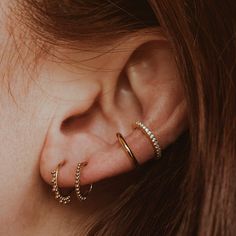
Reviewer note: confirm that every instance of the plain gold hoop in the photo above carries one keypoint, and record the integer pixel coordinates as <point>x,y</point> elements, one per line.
<point>127,149</point>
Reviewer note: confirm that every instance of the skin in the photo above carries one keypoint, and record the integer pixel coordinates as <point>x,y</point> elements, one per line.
<point>39,94</point>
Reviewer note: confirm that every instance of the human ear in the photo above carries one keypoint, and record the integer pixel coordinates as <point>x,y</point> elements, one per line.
<point>146,87</point>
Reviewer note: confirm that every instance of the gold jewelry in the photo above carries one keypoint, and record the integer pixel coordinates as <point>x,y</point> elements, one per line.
<point>80,196</point>
<point>145,130</point>
<point>62,199</point>
<point>127,149</point>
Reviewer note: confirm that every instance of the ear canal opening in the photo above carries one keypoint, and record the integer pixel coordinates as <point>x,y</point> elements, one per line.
<point>77,122</point>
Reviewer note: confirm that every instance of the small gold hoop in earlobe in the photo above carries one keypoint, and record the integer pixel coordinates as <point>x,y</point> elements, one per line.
<point>127,149</point>
<point>81,196</point>
<point>62,199</point>
<point>150,135</point>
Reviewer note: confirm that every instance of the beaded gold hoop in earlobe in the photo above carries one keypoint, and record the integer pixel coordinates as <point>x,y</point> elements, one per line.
<point>62,199</point>
<point>145,130</point>
<point>81,196</point>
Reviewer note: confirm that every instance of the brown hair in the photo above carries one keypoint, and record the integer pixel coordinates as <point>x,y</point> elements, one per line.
<point>192,190</point>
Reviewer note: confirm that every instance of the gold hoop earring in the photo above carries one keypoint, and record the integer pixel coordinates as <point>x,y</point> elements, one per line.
<point>148,133</point>
<point>81,196</point>
<point>62,199</point>
<point>127,149</point>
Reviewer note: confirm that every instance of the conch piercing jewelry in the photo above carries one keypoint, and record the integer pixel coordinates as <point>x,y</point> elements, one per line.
<point>62,199</point>
<point>127,149</point>
<point>81,196</point>
<point>145,130</point>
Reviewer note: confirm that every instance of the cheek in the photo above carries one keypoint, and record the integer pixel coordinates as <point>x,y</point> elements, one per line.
<point>23,126</point>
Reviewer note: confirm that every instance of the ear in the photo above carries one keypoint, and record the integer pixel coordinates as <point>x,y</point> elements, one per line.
<point>147,87</point>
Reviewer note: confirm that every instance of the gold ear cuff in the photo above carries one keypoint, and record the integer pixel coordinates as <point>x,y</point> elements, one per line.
<point>62,199</point>
<point>150,135</point>
<point>127,149</point>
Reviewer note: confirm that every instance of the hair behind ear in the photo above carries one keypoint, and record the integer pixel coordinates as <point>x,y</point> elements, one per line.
<point>204,204</point>
<point>154,184</point>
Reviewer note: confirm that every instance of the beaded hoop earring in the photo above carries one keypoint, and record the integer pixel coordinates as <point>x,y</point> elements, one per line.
<point>62,199</point>
<point>81,196</point>
<point>148,133</point>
